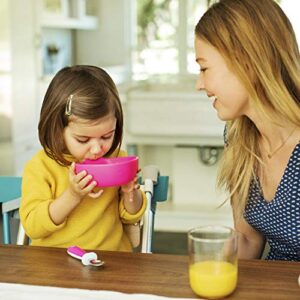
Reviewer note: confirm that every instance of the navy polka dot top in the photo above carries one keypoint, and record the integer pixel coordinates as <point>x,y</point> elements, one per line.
<point>279,220</point>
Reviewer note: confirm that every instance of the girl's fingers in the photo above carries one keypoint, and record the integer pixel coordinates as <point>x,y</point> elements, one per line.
<point>134,184</point>
<point>72,168</point>
<point>127,188</point>
<point>78,177</point>
<point>130,187</point>
<point>85,181</point>
<point>88,188</point>
<point>72,173</point>
<point>95,194</point>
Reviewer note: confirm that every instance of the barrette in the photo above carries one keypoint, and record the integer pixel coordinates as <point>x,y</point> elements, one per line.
<point>68,110</point>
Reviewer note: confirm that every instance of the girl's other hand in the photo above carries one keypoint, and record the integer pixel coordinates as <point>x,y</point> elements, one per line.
<point>132,196</point>
<point>131,186</point>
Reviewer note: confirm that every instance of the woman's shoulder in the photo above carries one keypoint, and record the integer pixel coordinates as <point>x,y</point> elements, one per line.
<point>294,160</point>
<point>291,178</point>
<point>297,149</point>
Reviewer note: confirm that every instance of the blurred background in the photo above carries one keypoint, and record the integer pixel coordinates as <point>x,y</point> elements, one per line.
<point>147,48</point>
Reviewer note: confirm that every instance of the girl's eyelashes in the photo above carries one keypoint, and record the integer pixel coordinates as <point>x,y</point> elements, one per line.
<point>82,141</point>
<point>203,69</point>
<point>107,137</point>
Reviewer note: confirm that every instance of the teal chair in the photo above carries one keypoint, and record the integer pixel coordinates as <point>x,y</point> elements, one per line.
<point>10,194</point>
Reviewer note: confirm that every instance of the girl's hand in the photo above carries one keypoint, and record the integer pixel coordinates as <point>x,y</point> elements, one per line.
<point>131,186</point>
<point>81,184</point>
<point>132,196</point>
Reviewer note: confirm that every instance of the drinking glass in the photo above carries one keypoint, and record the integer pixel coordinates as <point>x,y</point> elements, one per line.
<point>213,263</point>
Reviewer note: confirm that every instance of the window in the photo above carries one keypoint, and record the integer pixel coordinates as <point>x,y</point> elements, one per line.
<point>163,40</point>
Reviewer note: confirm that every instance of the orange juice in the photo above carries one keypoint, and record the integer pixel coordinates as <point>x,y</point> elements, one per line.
<point>213,279</point>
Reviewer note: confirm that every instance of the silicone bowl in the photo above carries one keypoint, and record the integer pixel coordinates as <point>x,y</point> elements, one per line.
<point>114,171</point>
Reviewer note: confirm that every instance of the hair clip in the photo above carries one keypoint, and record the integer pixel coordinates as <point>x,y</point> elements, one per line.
<point>68,110</point>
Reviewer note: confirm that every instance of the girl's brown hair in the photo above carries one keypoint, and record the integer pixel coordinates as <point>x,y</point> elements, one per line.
<point>94,96</point>
<point>258,43</point>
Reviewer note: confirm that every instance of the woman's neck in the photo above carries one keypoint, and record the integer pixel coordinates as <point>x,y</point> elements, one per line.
<point>275,137</point>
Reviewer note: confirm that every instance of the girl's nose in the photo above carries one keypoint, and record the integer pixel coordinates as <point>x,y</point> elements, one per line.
<point>96,147</point>
<point>199,83</point>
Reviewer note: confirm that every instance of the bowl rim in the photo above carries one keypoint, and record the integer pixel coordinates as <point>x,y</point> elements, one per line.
<point>132,158</point>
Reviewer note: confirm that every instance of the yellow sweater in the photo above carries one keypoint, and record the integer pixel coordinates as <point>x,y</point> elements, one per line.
<point>93,224</point>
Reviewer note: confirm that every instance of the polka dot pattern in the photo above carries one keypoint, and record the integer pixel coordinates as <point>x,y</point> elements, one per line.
<point>279,220</point>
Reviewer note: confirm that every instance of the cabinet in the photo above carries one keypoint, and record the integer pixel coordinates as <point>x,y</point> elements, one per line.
<point>57,23</point>
<point>68,14</point>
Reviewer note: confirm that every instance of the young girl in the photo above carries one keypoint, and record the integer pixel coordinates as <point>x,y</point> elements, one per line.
<point>81,118</point>
<point>250,67</point>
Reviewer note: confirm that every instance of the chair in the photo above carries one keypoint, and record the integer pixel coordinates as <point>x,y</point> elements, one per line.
<point>156,190</point>
<point>10,193</point>
<point>154,186</point>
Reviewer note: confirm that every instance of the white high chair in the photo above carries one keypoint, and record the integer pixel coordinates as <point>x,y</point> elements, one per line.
<point>155,188</point>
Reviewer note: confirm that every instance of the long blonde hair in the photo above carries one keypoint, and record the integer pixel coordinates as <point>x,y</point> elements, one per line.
<point>258,43</point>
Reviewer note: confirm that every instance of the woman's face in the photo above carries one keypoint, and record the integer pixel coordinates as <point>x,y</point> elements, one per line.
<point>229,96</point>
<point>89,140</point>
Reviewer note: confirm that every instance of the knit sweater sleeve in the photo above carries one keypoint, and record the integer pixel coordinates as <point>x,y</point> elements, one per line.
<point>37,194</point>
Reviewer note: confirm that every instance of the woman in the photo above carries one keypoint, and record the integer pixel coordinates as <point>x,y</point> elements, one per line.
<point>250,67</point>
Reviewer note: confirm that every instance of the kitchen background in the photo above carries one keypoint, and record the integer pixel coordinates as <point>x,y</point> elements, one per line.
<point>147,47</point>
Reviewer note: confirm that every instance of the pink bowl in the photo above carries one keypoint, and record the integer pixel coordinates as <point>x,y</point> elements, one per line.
<point>110,171</point>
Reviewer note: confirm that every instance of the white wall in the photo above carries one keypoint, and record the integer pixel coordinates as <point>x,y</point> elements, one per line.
<point>193,198</point>
<point>107,45</point>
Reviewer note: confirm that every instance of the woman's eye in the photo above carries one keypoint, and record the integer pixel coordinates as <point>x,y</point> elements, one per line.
<point>203,69</point>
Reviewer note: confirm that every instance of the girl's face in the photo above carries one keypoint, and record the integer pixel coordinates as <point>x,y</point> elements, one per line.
<point>89,140</point>
<point>229,96</point>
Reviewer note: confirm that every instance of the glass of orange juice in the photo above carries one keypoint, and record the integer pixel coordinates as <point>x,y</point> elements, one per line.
<point>213,264</point>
